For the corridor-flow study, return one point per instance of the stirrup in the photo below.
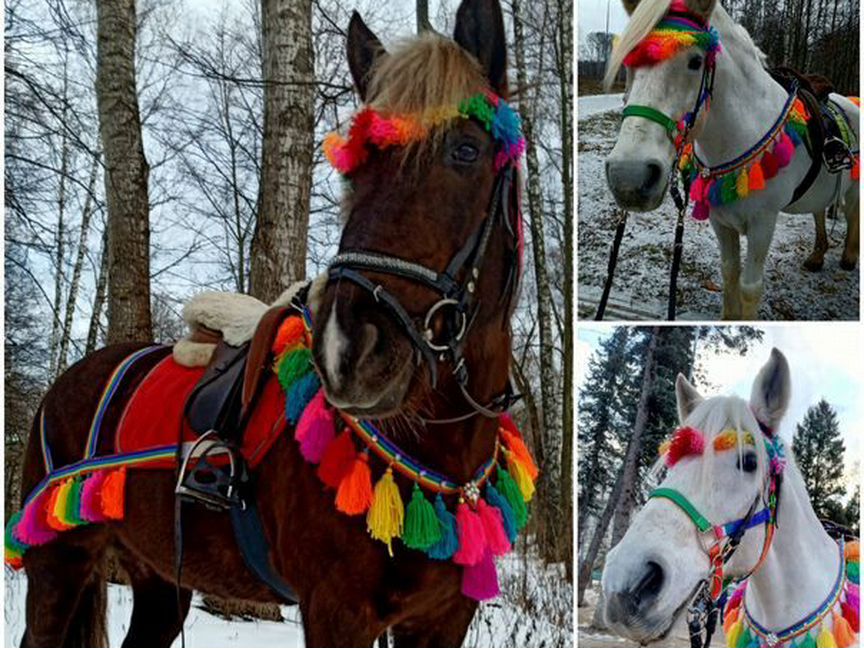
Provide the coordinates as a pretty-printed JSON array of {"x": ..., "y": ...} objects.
[
  {"x": 836, "y": 155},
  {"x": 205, "y": 482}
]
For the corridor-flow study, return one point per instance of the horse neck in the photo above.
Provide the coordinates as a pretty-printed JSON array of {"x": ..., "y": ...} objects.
[
  {"x": 802, "y": 565},
  {"x": 746, "y": 100}
]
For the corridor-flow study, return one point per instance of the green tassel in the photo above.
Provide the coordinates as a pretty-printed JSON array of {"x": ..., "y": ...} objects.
[
  {"x": 12, "y": 545},
  {"x": 508, "y": 488},
  {"x": 294, "y": 366},
  {"x": 422, "y": 529},
  {"x": 73, "y": 503},
  {"x": 852, "y": 572},
  {"x": 728, "y": 190},
  {"x": 807, "y": 642},
  {"x": 745, "y": 639}
]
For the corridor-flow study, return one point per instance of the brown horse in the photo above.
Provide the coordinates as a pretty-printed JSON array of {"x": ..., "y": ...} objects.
[{"x": 422, "y": 208}]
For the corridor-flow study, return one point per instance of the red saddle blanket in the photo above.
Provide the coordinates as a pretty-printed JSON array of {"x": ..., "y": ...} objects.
[{"x": 154, "y": 418}]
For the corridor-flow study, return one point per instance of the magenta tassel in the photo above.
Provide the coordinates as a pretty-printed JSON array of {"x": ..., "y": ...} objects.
[
  {"x": 737, "y": 595},
  {"x": 91, "y": 497},
  {"x": 697, "y": 189},
  {"x": 33, "y": 528},
  {"x": 472, "y": 537},
  {"x": 852, "y": 598},
  {"x": 480, "y": 581},
  {"x": 315, "y": 429},
  {"x": 783, "y": 150},
  {"x": 701, "y": 210},
  {"x": 493, "y": 526}
]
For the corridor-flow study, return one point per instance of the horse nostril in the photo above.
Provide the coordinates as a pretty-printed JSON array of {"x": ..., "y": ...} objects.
[
  {"x": 368, "y": 342},
  {"x": 649, "y": 584},
  {"x": 655, "y": 172}
]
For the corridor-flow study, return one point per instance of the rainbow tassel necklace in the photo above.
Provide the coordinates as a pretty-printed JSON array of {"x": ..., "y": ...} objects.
[
  {"x": 834, "y": 624},
  {"x": 488, "y": 514},
  {"x": 735, "y": 180}
]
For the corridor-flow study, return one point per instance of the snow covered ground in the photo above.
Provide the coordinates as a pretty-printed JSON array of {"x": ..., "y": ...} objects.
[
  {"x": 641, "y": 281},
  {"x": 535, "y": 610}
]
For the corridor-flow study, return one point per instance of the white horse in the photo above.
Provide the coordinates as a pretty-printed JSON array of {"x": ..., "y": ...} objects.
[
  {"x": 746, "y": 102},
  {"x": 653, "y": 572}
]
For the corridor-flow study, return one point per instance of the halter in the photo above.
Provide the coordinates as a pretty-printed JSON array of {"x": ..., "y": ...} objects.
[
  {"x": 724, "y": 539},
  {"x": 456, "y": 285}
]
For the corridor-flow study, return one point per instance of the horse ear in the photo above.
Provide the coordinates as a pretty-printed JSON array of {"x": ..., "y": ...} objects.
[
  {"x": 364, "y": 48},
  {"x": 480, "y": 31},
  {"x": 771, "y": 391},
  {"x": 630, "y": 6},
  {"x": 702, "y": 8},
  {"x": 687, "y": 396}
]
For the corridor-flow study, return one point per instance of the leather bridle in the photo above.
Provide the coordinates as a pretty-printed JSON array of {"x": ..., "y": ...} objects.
[{"x": 456, "y": 287}]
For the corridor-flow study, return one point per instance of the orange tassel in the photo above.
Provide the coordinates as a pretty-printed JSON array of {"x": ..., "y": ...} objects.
[
  {"x": 851, "y": 551},
  {"x": 354, "y": 495},
  {"x": 757, "y": 178},
  {"x": 290, "y": 334},
  {"x": 517, "y": 446},
  {"x": 114, "y": 494},
  {"x": 843, "y": 635},
  {"x": 730, "y": 620},
  {"x": 856, "y": 168}
]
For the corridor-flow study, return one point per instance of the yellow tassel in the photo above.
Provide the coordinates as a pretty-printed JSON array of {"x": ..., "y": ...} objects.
[
  {"x": 742, "y": 185},
  {"x": 387, "y": 512},
  {"x": 825, "y": 639},
  {"x": 521, "y": 476},
  {"x": 734, "y": 634}
]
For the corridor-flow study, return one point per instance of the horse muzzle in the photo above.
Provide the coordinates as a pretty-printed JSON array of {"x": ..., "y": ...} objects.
[{"x": 637, "y": 185}]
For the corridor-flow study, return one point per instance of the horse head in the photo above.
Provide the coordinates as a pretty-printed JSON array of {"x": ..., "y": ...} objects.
[
  {"x": 668, "y": 50},
  {"x": 428, "y": 250},
  {"x": 719, "y": 467}
]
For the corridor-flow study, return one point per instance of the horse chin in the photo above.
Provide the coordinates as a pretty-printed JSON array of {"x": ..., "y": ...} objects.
[
  {"x": 649, "y": 631},
  {"x": 376, "y": 404},
  {"x": 638, "y": 201}
]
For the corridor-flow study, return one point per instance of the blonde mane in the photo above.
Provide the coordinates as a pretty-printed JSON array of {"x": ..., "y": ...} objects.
[{"x": 647, "y": 14}]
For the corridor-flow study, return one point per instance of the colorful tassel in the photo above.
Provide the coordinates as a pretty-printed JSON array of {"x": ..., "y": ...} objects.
[
  {"x": 742, "y": 184},
  {"x": 299, "y": 396},
  {"x": 472, "y": 536},
  {"x": 291, "y": 333},
  {"x": 387, "y": 513},
  {"x": 744, "y": 639},
  {"x": 493, "y": 527},
  {"x": 315, "y": 429},
  {"x": 480, "y": 581},
  {"x": 293, "y": 366},
  {"x": 13, "y": 549},
  {"x": 784, "y": 150},
  {"x": 517, "y": 446},
  {"x": 852, "y": 572},
  {"x": 734, "y": 634},
  {"x": 851, "y": 615},
  {"x": 114, "y": 494},
  {"x": 510, "y": 491},
  {"x": 57, "y": 506},
  {"x": 730, "y": 619},
  {"x": 447, "y": 546},
  {"x": 808, "y": 641},
  {"x": 712, "y": 189},
  {"x": 843, "y": 634},
  {"x": 34, "y": 529},
  {"x": 728, "y": 195},
  {"x": 697, "y": 189},
  {"x": 851, "y": 551},
  {"x": 508, "y": 518},
  {"x": 825, "y": 639},
  {"x": 769, "y": 165},
  {"x": 856, "y": 168},
  {"x": 337, "y": 460},
  {"x": 756, "y": 178},
  {"x": 422, "y": 527},
  {"x": 72, "y": 514},
  {"x": 701, "y": 210},
  {"x": 91, "y": 497},
  {"x": 520, "y": 475},
  {"x": 354, "y": 495}
]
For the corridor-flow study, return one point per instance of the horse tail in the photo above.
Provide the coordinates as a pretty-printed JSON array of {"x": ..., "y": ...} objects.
[{"x": 88, "y": 626}]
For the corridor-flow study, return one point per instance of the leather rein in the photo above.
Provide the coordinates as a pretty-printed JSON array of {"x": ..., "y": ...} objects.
[{"x": 458, "y": 302}]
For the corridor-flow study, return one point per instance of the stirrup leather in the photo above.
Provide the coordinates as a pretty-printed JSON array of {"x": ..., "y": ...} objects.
[{"x": 201, "y": 480}]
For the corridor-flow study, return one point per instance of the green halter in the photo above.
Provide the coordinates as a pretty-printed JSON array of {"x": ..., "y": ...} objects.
[
  {"x": 652, "y": 114},
  {"x": 685, "y": 505}
]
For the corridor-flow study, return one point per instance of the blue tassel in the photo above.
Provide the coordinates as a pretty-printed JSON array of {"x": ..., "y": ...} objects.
[
  {"x": 497, "y": 500},
  {"x": 715, "y": 193},
  {"x": 300, "y": 395},
  {"x": 793, "y": 135},
  {"x": 449, "y": 542}
]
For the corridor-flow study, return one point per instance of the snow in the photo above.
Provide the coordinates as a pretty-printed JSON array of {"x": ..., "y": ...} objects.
[
  {"x": 535, "y": 609},
  {"x": 640, "y": 287}
]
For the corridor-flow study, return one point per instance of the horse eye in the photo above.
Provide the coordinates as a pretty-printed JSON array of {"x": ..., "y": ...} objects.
[
  {"x": 748, "y": 463},
  {"x": 695, "y": 62},
  {"x": 465, "y": 153}
]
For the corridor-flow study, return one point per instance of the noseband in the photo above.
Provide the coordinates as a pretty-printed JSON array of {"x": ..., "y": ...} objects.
[{"x": 456, "y": 288}]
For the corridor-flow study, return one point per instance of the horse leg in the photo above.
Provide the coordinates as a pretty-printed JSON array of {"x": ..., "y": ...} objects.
[
  {"x": 760, "y": 231},
  {"x": 817, "y": 257},
  {"x": 446, "y": 629},
  {"x": 331, "y": 621},
  {"x": 730, "y": 259},
  {"x": 157, "y": 614},
  {"x": 66, "y": 597},
  {"x": 850, "y": 252}
]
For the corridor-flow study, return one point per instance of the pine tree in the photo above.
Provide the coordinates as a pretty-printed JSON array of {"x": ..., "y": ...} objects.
[{"x": 819, "y": 454}]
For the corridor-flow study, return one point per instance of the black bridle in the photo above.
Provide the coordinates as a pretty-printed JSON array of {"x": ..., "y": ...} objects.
[{"x": 456, "y": 287}]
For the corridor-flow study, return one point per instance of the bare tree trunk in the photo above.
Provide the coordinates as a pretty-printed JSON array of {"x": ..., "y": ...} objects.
[
  {"x": 423, "y": 23},
  {"x": 126, "y": 174},
  {"x": 548, "y": 375},
  {"x": 99, "y": 298},
  {"x": 279, "y": 241},
  {"x": 627, "y": 475},
  {"x": 75, "y": 282}
]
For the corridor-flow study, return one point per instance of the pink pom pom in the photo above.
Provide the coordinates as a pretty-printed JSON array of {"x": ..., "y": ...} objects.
[
  {"x": 33, "y": 528},
  {"x": 686, "y": 441},
  {"x": 701, "y": 210},
  {"x": 493, "y": 526},
  {"x": 91, "y": 497},
  {"x": 315, "y": 429},
  {"x": 472, "y": 536},
  {"x": 480, "y": 581}
]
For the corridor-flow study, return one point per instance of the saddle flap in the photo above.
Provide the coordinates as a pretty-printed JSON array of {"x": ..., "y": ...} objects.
[
  {"x": 215, "y": 403},
  {"x": 258, "y": 361}
]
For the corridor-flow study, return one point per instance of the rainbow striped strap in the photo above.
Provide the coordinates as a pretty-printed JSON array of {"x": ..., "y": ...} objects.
[{"x": 108, "y": 393}]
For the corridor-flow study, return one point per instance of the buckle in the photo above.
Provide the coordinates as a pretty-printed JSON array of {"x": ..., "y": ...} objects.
[
  {"x": 461, "y": 324},
  {"x": 836, "y": 155}
]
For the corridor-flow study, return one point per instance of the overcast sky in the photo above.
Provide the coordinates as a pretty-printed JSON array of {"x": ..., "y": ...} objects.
[
  {"x": 824, "y": 360},
  {"x": 592, "y": 17}
]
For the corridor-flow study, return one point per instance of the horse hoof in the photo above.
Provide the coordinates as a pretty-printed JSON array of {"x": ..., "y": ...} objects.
[
  {"x": 847, "y": 264},
  {"x": 814, "y": 264}
]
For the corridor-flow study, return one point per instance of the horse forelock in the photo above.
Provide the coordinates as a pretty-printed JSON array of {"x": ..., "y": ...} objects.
[{"x": 647, "y": 14}]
